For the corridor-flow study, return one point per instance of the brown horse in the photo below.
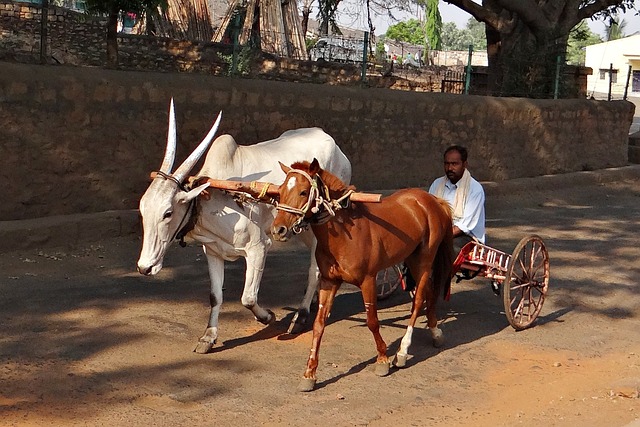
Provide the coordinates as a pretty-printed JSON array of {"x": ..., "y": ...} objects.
[{"x": 357, "y": 240}]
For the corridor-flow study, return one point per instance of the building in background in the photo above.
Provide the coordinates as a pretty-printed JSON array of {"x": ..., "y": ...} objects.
[{"x": 614, "y": 63}]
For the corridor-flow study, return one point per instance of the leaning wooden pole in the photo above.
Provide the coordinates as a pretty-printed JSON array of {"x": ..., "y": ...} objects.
[{"x": 260, "y": 189}]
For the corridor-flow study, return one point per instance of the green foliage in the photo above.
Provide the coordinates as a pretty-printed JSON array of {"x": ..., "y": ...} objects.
[
  {"x": 243, "y": 59},
  {"x": 475, "y": 32},
  {"x": 615, "y": 29},
  {"x": 579, "y": 38},
  {"x": 410, "y": 31},
  {"x": 433, "y": 25},
  {"x": 454, "y": 38},
  {"x": 310, "y": 42},
  {"x": 380, "y": 54}
]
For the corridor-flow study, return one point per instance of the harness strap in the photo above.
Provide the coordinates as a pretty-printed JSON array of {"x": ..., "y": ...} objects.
[{"x": 315, "y": 202}]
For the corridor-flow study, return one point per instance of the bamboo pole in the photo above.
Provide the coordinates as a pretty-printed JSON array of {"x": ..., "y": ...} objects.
[{"x": 261, "y": 189}]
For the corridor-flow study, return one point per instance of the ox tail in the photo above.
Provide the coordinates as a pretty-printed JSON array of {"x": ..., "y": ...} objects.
[{"x": 443, "y": 262}]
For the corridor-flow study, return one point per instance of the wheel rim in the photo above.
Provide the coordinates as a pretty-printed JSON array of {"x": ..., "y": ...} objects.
[
  {"x": 387, "y": 281},
  {"x": 526, "y": 283}
]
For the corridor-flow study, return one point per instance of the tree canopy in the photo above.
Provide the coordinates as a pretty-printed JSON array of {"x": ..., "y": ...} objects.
[
  {"x": 433, "y": 24},
  {"x": 526, "y": 39},
  {"x": 579, "y": 38},
  {"x": 410, "y": 31},
  {"x": 454, "y": 38}
]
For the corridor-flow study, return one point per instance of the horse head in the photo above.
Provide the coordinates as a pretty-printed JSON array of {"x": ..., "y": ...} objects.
[
  {"x": 165, "y": 206},
  {"x": 306, "y": 193}
]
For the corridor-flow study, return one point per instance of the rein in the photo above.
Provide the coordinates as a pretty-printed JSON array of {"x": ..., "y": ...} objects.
[
  {"x": 182, "y": 230},
  {"x": 315, "y": 202}
]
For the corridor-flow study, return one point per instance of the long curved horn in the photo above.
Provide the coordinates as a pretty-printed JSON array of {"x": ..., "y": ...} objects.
[
  {"x": 170, "y": 152},
  {"x": 181, "y": 173}
]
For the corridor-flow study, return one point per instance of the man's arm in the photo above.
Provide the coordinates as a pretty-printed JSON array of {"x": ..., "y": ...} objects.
[
  {"x": 457, "y": 232},
  {"x": 473, "y": 213}
]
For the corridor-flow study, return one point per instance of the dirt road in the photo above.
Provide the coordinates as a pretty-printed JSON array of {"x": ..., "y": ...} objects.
[{"x": 85, "y": 340}]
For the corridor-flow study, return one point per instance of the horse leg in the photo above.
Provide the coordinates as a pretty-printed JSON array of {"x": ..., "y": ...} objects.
[
  {"x": 369, "y": 295},
  {"x": 255, "y": 259},
  {"x": 326, "y": 295},
  {"x": 303, "y": 313},
  {"x": 432, "y": 319},
  {"x": 216, "y": 276},
  {"x": 400, "y": 359}
]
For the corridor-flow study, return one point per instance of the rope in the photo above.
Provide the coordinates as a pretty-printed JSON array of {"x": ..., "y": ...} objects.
[
  {"x": 317, "y": 200},
  {"x": 171, "y": 178}
]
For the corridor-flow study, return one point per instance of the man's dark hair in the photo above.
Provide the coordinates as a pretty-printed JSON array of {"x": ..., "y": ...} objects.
[{"x": 460, "y": 149}]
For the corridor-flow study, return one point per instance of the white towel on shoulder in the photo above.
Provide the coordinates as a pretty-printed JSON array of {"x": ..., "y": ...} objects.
[{"x": 461, "y": 194}]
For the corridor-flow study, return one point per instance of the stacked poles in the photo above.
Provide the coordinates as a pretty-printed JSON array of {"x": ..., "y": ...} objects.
[
  {"x": 279, "y": 24},
  {"x": 186, "y": 20}
]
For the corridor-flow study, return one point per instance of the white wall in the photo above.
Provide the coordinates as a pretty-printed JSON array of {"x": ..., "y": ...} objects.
[{"x": 621, "y": 53}]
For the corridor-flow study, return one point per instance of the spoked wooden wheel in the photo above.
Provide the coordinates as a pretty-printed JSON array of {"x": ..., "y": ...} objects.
[
  {"x": 387, "y": 281},
  {"x": 526, "y": 282}
]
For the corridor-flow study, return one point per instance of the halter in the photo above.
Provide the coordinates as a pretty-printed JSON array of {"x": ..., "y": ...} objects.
[
  {"x": 318, "y": 198},
  {"x": 182, "y": 230}
]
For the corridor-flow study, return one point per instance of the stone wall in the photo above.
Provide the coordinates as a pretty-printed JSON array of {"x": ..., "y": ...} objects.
[
  {"x": 72, "y": 37},
  {"x": 77, "y": 39},
  {"x": 77, "y": 140}
]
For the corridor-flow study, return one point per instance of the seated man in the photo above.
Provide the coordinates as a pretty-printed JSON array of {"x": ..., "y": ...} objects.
[
  {"x": 464, "y": 194},
  {"x": 466, "y": 197}
]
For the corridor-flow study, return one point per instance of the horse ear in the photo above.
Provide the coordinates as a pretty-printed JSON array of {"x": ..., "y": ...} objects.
[
  {"x": 314, "y": 167},
  {"x": 284, "y": 168}
]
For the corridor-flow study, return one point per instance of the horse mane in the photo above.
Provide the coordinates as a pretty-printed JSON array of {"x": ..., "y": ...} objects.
[{"x": 336, "y": 187}]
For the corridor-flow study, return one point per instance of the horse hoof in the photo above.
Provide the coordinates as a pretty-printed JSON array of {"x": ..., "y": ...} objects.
[
  {"x": 298, "y": 323},
  {"x": 400, "y": 361},
  {"x": 296, "y": 328},
  {"x": 438, "y": 341},
  {"x": 382, "y": 369},
  {"x": 307, "y": 384},
  {"x": 203, "y": 347}
]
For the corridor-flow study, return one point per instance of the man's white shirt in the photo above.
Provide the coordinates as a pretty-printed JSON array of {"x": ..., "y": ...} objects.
[{"x": 472, "y": 222}]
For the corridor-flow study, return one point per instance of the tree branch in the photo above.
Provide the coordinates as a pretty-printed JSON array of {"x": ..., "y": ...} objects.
[
  {"x": 481, "y": 13},
  {"x": 529, "y": 12},
  {"x": 597, "y": 6}
]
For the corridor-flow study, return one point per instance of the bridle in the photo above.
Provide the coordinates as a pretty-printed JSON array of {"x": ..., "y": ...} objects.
[
  {"x": 182, "y": 230},
  {"x": 318, "y": 199}
]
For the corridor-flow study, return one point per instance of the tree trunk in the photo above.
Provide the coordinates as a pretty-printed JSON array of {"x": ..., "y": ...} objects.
[
  {"x": 112, "y": 38},
  {"x": 304, "y": 23},
  {"x": 522, "y": 63}
]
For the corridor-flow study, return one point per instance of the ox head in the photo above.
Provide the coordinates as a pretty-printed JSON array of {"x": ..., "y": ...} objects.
[{"x": 164, "y": 207}]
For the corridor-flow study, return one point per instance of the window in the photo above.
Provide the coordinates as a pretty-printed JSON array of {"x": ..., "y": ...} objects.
[
  {"x": 605, "y": 71},
  {"x": 635, "y": 85}
]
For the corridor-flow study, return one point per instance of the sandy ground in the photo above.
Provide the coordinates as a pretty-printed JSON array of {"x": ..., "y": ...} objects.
[{"x": 85, "y": 340}]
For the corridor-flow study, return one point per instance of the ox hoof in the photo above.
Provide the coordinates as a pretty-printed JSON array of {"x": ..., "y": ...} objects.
[
  {"x": 298, "y": 322},
  {"x": 382, "y": 369},
  {"x": 400, "y": 360},
  {"x": 271, "y": 318},
  {"x": 307, "y": 384},
  {"x": 203, "y": 347}
]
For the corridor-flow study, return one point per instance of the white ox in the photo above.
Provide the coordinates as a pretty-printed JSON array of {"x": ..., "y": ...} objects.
[{"x": 227, "y": 229}]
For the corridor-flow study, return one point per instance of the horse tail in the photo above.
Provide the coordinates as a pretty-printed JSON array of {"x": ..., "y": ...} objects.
[{"x": 443, "y": 262}]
